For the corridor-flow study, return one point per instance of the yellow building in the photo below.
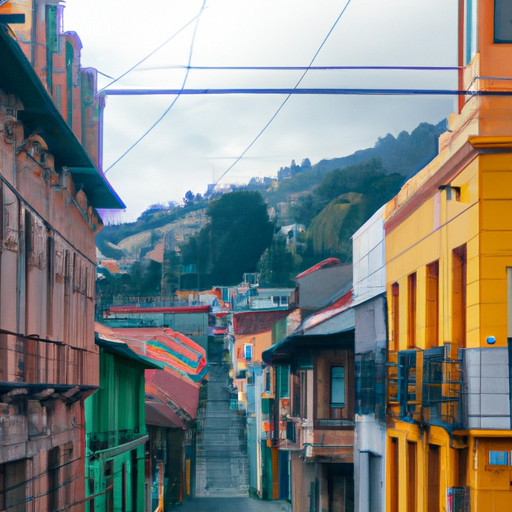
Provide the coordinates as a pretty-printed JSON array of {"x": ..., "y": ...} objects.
[{"x": 448, "y": 238}]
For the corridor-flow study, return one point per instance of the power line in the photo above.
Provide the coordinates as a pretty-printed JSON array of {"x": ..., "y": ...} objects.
[
  {"x": 287, "y": 97},
  {"x": 310, "y": 91},
  {"x": 308, "y": 68},
  {"x": 114, "y": 80},
  {"x": 197, "y": 18}
]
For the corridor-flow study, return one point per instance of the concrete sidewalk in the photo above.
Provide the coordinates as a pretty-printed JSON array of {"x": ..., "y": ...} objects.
[{"x": 231, "y": 505}]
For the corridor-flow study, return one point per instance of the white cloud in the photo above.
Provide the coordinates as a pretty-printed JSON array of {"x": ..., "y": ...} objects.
[{"x": 201, "y": 135}]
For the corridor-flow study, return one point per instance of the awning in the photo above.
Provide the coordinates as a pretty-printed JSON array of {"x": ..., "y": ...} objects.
[{"x": 122, "y": 349}]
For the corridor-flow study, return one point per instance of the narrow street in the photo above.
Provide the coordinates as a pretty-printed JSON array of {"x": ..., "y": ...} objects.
[
  {"x": 222, "y": 465},
  {"x": 231, "y": 505}
]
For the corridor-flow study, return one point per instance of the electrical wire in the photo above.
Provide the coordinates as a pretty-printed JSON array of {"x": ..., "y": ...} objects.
[
  {"x": 287, "y": 97},
  {"x": 314, "y": 91},
  {"x": 114, "y": 80},
  {"x": 26, "y": 203},
  {"x": 32, "y": 498},
  {"x": 308, "y": 68},
  {"x": 13, "y": 487},
  {"x": 104, "y": 74},
  {"x": 197, "y": 18}
]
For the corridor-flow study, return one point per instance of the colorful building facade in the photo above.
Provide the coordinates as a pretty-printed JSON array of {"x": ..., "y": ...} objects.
[
  {"x": 448, "y": 279},
  {"x": 117, "y": 442}
]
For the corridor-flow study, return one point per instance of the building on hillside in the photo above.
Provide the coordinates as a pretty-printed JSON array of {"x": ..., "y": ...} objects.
[
  {"x": 50, "y": 188},
  {"x": 448, "y": 239},
  {"x": 117, "y": 442},
  {"x": 55, "y": 56},
  {"x": 274, "y": 470},
  {"x": 311, "y": 385},
  {"x": 369, "y": 303}
]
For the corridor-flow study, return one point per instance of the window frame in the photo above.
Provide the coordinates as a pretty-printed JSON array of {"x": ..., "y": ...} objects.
[{"x": 343, "y": 381}]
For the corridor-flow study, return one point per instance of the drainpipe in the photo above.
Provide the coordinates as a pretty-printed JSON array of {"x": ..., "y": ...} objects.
[
  {"x": 364, "y": 482},
  {"x": 160, "y": 507}
]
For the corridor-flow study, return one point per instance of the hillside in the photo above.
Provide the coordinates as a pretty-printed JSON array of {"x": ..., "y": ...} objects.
[
  {"x": 406, "y": 155},
  {"x": 299, "y": 195}
]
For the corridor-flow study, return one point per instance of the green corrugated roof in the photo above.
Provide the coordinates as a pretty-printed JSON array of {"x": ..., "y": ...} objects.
[{"x": 122, "y": 349}]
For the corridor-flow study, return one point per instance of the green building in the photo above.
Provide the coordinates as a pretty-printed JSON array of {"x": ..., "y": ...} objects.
[{"x": 117, "y": 451}]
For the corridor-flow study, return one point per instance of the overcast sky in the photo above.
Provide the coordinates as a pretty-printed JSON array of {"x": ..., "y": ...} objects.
[{"x": 201, "y": 136}]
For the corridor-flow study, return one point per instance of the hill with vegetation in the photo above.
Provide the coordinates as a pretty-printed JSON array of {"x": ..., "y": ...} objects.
[{"x": 330, "y": 199}]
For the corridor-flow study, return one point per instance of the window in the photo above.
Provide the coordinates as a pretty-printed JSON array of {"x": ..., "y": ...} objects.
[
  {"x": 283, "y": 381},
  {"x": 459, "y": 280},
  {"x": 471, "y": 46},
  {"x": 13, "y": 486},
  {"x": 502, "y": 25},
  {"x": 411, "y": 476},
  {"x": 337, "y": 386},
  {"x": 395, "y": 305},
  {"x": 433, "y": 483},
  {"x": 498, "y": 458},
  {"x": 411, "y": 310},
  {"x": 432, "y": 313},
  {"x": 268, "y": 376},
  {"x": 248, "y": 352}
]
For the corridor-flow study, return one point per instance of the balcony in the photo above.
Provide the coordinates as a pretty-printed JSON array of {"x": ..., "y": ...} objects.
[
  {"x": 322, "y": 440},
  {"x": 40, "y": 369},
  {"x": 99, "y": 441},
  {"x": 428, "y": 386}
]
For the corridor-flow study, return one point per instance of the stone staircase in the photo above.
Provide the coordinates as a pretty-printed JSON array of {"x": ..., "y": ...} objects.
[{"x": 222, "y": 467}]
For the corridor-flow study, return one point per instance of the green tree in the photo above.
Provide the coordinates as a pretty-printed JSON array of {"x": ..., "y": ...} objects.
[
  {"x": 146, "y": 277},
  {"x": 233, "y": 241},
  {"x": 276, "y": 264}
]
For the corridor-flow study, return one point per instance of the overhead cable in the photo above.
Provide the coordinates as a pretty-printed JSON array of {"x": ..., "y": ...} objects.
[
  {"x": 311, "y": 91},
  {"x": 114, "y": 80},
  {"x": 288, "y": 96},
  {"x": 308, "y": 68},
  {"x": 197, "y": 18}
]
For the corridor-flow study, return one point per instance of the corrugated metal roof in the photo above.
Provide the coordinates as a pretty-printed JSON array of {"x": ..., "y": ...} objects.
[
  {"x": 337, "y": 318},
  {"x": 329, "y": 262},
  {"x": 122, "y": 349}
]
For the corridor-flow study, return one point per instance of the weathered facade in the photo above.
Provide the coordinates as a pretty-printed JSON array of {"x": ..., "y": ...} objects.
[
  {"x": 49, "y": 189},
  {"x": 172, "y": 398},
  {"x": 313, "y": 413}
]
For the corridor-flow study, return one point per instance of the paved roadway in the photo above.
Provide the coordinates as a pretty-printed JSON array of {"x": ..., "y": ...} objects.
[{"x": 231, "y": 505}]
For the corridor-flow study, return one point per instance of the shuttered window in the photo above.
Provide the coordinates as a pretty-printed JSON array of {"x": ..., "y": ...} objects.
[{"x": 283, "y": 381}]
